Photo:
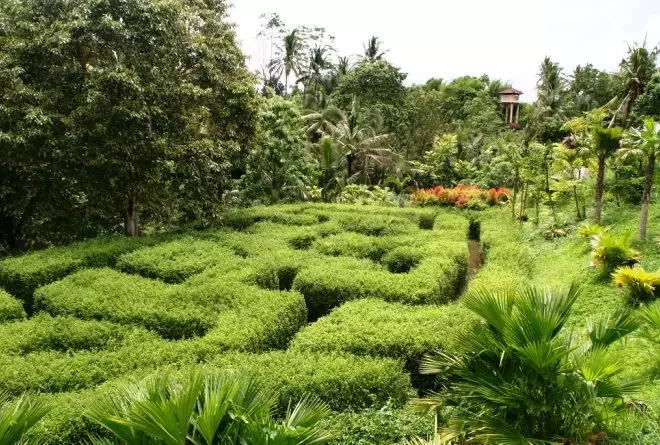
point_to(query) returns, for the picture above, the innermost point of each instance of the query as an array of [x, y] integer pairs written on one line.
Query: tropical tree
[[590, 133], [19, 416], [372, 50], [644, 143], [362, 145], [330, 161], [317, 65], [289, 54], [205, 408], [320, 115], [518, 378], [636, 71]]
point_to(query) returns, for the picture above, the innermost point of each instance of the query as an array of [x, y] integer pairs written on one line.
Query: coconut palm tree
[[590, 133], [318, 64], [362, 144], [551, 86], [320, 115], [18, 416], [518, 378], [330, 161], [289, 55], [636, 69], [644, 143], [205, 409], [372, 50]]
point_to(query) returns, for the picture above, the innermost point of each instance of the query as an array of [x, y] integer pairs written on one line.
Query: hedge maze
[[336, 301]]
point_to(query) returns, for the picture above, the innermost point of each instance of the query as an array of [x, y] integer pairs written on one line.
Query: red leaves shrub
[[461, 196]]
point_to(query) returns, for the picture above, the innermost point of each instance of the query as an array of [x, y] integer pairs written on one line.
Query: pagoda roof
[[511, 91]]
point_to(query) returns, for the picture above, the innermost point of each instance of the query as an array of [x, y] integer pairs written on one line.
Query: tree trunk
[[600, 180], [577, 203], [646, 196], [131, 227], [349, 164]]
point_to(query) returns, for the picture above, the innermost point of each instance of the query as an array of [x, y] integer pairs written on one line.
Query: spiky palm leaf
[[18, 416]]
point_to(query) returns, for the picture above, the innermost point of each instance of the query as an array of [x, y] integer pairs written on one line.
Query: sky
[[439, 38]]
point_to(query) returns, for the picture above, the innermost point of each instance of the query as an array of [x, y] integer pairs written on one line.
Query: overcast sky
[[447, 39]]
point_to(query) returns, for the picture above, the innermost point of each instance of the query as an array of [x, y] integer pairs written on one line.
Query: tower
[[510, 101]]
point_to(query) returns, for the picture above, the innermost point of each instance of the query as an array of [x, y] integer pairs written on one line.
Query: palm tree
[[205, 409], [344, 66], [288, 60], [18, 416], [551, 86], [321, 115], [590, 133], [372, 50], [517, 377], [644, 143], [318, 63], [636, 69], [362, 144], [330, 161]]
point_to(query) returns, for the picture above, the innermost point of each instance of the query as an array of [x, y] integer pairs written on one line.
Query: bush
[[176, 261], [461, 196], [379, 427], [356, 245], [426, 220], [65, 334], [344, 382], [436, 280], [21, 275], [10, 308], [365, 195], [104, 294], [610, 252], [379, 329], [375, 225], [588, 231], [402, 259], [643, 287]]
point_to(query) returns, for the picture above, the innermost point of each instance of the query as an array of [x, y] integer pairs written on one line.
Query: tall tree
[[551, 86], [636, 70], [372, 50], [289, 54], [591, 88], [644, 143]]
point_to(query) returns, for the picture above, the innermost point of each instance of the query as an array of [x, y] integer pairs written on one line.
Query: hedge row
[[66, 334], [21, 275], [10, 308], [176, 261], [436, 280], [105, 294], [379, 329], [345, 383]]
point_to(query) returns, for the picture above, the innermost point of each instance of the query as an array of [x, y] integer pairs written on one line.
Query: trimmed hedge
[[379, 329], [176, 261], [66, 334], [355, 244], [344, 382], [22, 275], [436, 280], [375, 225], [105, 294], [10, 308]]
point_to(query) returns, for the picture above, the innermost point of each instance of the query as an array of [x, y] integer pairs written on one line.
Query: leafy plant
[[211, 409], [590, 230], [610, 252], [461, 196], [427, 220], [642, 286], [517, 377], [18, 416]]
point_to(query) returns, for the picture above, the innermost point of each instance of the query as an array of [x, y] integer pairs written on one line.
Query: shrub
[[589, 231], [10, 308], [461, 196], [385, 426], [402, 259], [518, 375], [104, 294], [379, 329], [344, 382], [365, 195], [474, 230], [642, 286], [426, 220], [610, 252], [176, 261], [375, 225], [356, 245], [65, 334], [21, 275]]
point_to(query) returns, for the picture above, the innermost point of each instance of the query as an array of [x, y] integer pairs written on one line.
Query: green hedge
[[21, 275], [66, 334], [344, 382], [176, 261], [327, 284], [375, 225], [10, 308], [379, 329], [53, 372], [105, 294], [356, 245]]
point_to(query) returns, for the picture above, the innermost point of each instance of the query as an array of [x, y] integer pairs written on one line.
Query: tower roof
[[511, 91]]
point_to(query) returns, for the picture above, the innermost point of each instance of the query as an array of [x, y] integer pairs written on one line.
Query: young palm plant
[[18, 416], [205, 409], [518, 378]]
